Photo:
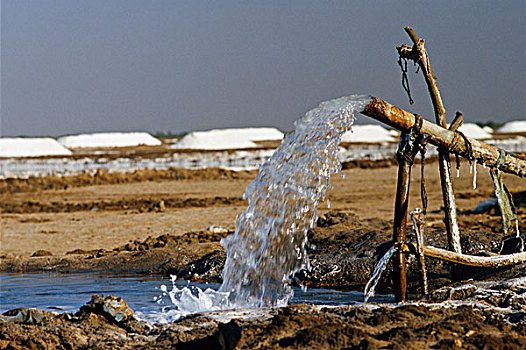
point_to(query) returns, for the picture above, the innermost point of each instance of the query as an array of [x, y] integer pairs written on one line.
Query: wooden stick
[[419, 54], [407, 149], [481, 261], [457, 122], [419, 232], [399, 229], [488, 155]]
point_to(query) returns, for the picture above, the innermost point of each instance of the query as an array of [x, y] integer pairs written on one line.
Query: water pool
[[60, 292]]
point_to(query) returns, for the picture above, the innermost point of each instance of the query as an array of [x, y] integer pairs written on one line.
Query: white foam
[[109, 139], [227, 138], [31, 147], [369, 133], [513, 126]]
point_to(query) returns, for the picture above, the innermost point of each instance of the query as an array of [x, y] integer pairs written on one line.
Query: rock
[[217, 229], [485, 206], [225, 338], [503, 294], [42, 252], [334, 218], [159, 206], [77, 251], [115, 310], [28, 316]]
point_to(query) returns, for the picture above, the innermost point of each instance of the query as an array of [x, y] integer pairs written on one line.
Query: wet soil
[[156, 222], [107, 323]]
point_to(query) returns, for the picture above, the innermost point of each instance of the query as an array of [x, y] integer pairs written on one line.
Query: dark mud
[[139, 204]]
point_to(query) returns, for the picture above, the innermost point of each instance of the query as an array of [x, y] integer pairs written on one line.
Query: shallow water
[[68, 292]]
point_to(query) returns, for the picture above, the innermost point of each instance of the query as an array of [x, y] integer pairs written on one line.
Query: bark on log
[[488, 155]]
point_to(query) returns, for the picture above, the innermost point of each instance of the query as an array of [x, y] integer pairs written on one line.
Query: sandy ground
[[109, 215], [156, 221]]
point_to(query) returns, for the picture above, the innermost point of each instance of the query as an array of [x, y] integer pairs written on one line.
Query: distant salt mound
[[31, 147], [220, 139], [517, 126], [109, 139], [488, 129], [369, 134], [474, 131]]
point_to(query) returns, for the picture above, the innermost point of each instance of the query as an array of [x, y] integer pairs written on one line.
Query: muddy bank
[[103, 177], [139, 204], [473, 320], [339, 251]]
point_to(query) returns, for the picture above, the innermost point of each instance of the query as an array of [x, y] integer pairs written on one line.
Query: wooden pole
[[407, 149], [489, 155], [399, 229], [419, 55]]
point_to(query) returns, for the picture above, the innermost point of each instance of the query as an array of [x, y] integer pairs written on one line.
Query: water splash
[[269, 243], [268, 246], [377, 273], [474, 166]]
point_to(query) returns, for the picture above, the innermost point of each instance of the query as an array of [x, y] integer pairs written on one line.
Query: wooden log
[[489, 155], [481, 261]]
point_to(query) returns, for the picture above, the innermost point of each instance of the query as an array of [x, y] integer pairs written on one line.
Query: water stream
[[377, 273], [268, 245]]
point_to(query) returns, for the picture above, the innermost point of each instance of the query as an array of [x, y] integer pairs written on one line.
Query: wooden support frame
[[419, 55], [414, 130], [489, 155]]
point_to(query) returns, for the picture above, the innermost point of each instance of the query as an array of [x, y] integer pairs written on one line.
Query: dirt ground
[[156, 222]]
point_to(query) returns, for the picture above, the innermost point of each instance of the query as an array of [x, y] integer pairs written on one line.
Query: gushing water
[[474, 166], [268, 245], [377, 273]]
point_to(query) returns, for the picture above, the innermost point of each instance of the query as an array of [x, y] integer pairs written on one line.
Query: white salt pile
[[488, 129], [31, 147], [370, 134], [474, 131], [516, 126], [109, 139], [220, 139]]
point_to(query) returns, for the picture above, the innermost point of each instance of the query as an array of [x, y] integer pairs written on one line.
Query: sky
[[71, 66]]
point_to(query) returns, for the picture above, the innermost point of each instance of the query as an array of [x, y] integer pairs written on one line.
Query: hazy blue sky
[[82, 66]]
